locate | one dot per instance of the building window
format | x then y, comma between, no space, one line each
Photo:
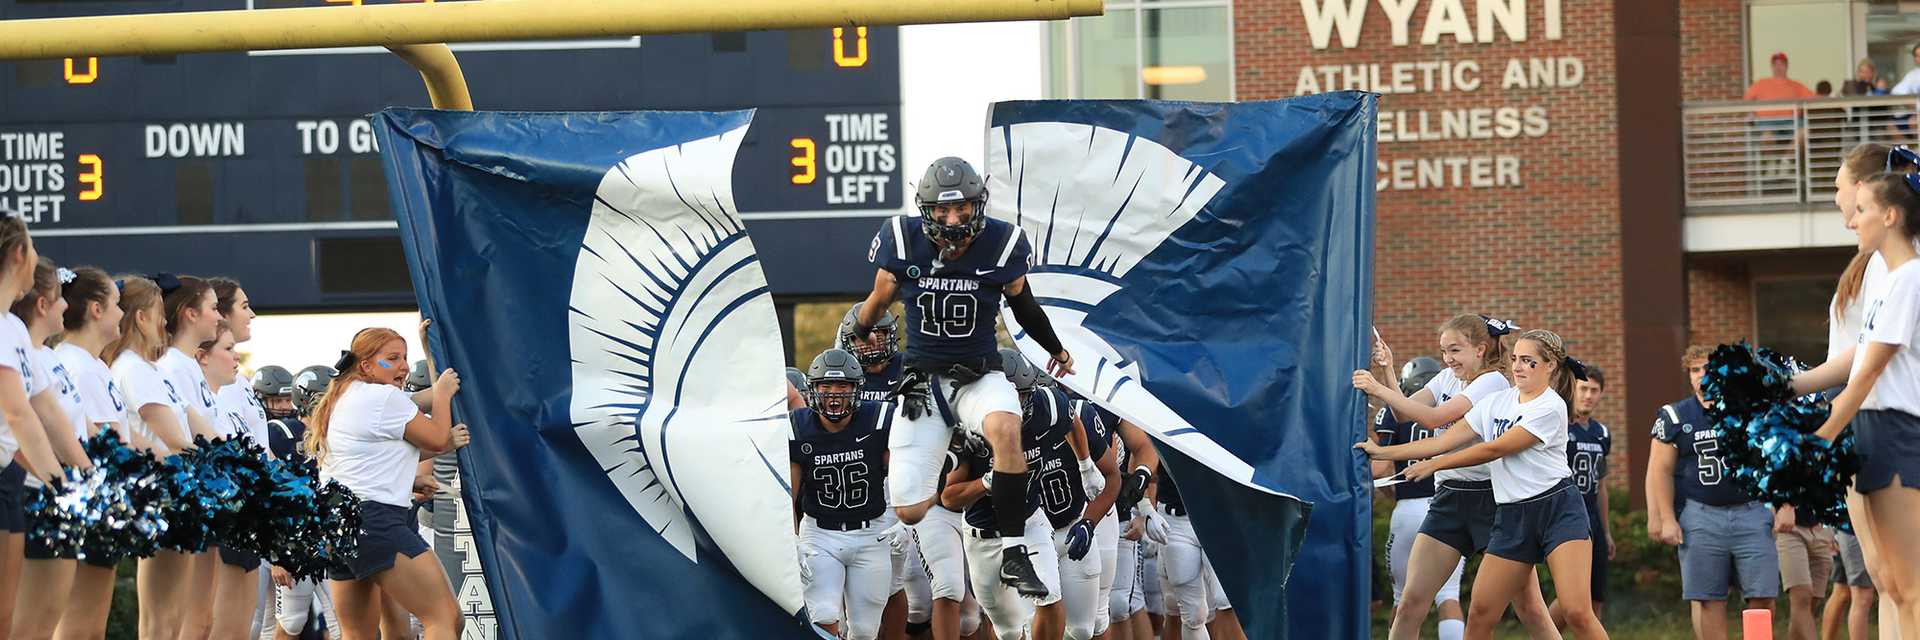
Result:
1158,49
1794,320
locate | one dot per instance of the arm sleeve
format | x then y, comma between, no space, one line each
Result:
1546,423
1486,385
1894,322
1034,320
141,389
885,250
398,410
1383,425
1477,419
1606,448
1663,428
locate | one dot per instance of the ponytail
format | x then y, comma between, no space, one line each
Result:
364,347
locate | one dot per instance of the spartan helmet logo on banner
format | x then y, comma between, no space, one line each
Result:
674,344
1127,195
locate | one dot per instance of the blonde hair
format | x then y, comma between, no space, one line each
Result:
136,294
1555,351
365,347
1474,328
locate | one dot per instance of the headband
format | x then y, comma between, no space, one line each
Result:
1902,154
1497,327
345,363
1578,368
168,283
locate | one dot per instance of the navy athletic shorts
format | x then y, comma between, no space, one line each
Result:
385,530
1530,529
1461,516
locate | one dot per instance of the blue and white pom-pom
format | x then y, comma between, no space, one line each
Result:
1768,433
114,510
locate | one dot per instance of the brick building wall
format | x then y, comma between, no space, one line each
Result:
1544,253
1712,50
1719,301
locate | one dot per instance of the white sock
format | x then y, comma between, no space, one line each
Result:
1009,542
1452,629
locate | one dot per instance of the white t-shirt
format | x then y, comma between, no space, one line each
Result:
1893,317
1535,469
65,391
142,384
189,382
1444,386
1845,332
237,399
15,344
100,401
367,448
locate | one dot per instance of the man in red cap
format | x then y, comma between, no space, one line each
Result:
1778,87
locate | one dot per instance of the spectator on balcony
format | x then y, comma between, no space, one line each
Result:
1777,87
1910,83
1823,89
1866,81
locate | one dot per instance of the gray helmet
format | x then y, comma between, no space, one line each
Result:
1416,372
309,385
949,180
834,365
419,377
1024,376
886,325
798,379
269,382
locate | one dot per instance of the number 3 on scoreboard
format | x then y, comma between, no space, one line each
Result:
93,175
802,160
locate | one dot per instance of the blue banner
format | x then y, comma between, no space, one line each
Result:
1210,268
590,277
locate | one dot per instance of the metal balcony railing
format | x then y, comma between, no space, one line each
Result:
1782,153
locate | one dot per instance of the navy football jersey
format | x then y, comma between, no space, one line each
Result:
841,472
1101,426
951,306
1053,472
1393,431
284,436
1587,447
1700,473
879,385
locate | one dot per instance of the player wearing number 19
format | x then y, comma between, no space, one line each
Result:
1718,527
838,455
952,267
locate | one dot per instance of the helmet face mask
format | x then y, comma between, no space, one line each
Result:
272,384
309,385
833,384
885,331
951,181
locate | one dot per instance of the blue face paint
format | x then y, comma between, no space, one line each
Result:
383,364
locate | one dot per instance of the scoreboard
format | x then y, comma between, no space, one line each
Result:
263,165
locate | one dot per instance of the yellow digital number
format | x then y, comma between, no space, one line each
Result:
802,160
91,73
859,57
93,175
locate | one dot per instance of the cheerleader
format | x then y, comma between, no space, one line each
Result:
370,437
231,302
23,432
1460,517
236,590
1882,396
191,320
91,323
1541,516
56,401
154,413
1864,273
